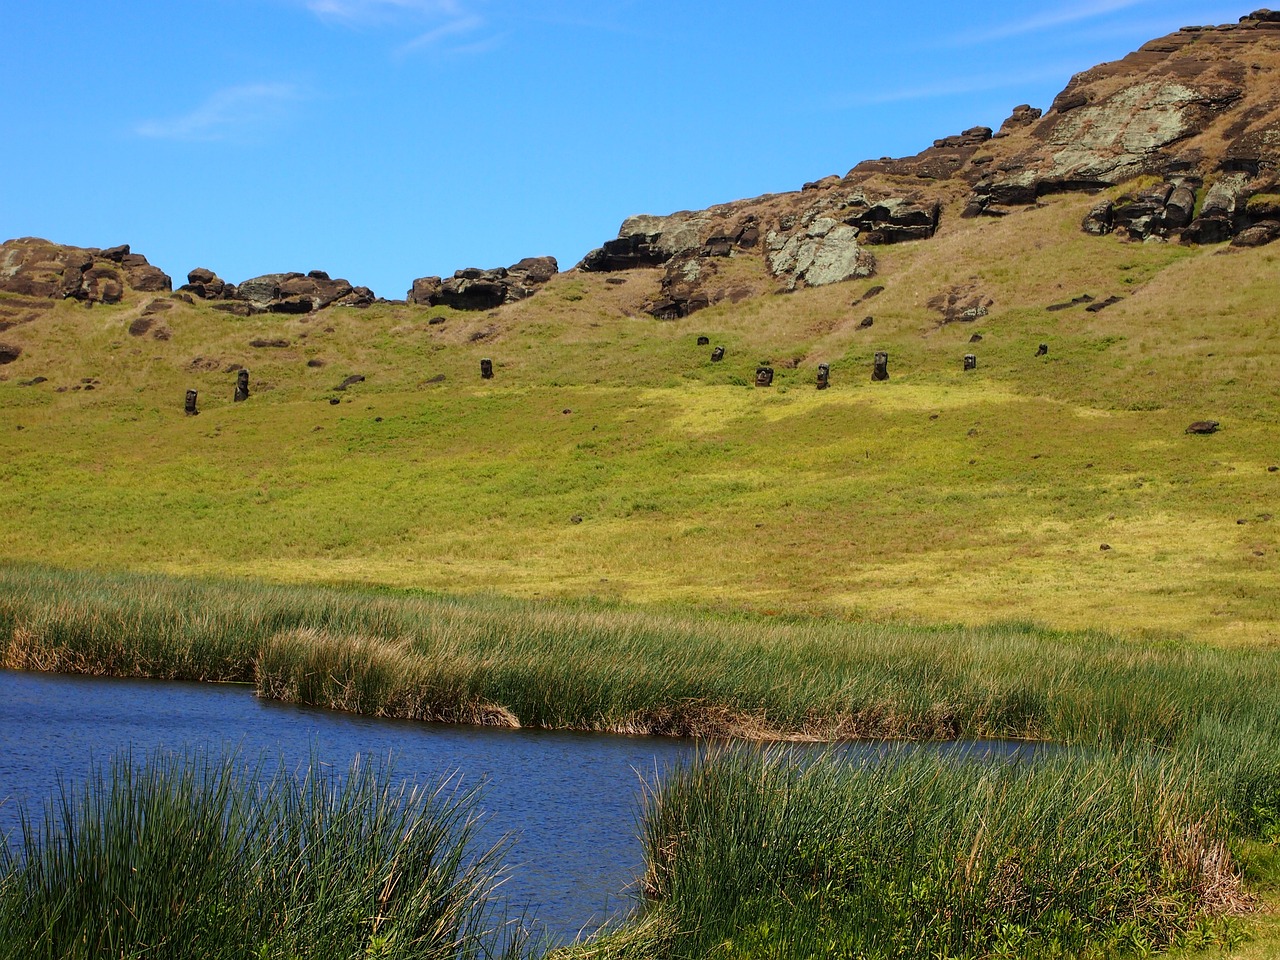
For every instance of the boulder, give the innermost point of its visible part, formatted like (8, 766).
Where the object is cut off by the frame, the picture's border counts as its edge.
(207, 285)
(1023, 115)
(626, 253)
(297, 293)
(477, 289)
(1203, 427)
(1258, 235)
(37, 268)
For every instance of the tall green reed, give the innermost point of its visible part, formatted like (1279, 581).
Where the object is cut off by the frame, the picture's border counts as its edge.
(206, 857)
(755, 854)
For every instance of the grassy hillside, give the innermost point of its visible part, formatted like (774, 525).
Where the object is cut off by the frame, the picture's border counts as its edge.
(940, 495)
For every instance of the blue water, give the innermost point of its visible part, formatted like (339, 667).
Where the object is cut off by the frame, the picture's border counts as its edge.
(571, 800)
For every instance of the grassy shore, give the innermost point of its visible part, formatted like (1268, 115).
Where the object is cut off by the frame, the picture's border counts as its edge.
(212, 858)
(1126, 846)
(593, 666)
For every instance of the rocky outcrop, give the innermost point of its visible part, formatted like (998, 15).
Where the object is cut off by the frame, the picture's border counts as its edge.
(942, 161)
(476, 289)
(297, 293)
(814, 237)
(42, 270)
(1227, 210)
(825, 252)
(1164, 112)
(207, 285)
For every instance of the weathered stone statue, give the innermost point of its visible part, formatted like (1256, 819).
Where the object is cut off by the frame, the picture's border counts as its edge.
(704, 341)
(824, 375)
(242, 386)
(486, 368)
(190, 408)
(764, 376)
(970, 362)
(717, 354)
(1043, 351)
(880, 369)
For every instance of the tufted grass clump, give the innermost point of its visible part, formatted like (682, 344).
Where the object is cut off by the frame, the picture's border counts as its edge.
(754, 854)
(203, 857)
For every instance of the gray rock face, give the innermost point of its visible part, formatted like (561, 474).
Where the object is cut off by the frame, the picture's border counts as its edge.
(827, 252)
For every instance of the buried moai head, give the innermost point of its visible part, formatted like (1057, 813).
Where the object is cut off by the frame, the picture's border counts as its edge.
(880, 367)
(1043, 350)
(704, 341)
(190, 408)
(824, 376)
(764, 376)
(717, 354)
(486, 368)
(970, 362)
(242, 386)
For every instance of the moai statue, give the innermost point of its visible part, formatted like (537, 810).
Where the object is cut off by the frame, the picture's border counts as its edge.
(486, 368)
(190, 408)
(880, 370)
(764, 376)
(970, 362)
(704, 341)
(717, 354)
(824, 375)
(242, 386)
(1043, 351)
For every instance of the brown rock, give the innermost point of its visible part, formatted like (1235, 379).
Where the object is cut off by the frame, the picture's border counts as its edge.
(1258, 235)
(477, 289)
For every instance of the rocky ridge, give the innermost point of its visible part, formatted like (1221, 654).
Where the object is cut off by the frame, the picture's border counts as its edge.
(1191, 120)
(1188, 127)
(35, 271)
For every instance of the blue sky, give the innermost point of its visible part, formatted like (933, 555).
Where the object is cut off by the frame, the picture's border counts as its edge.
(383, 140)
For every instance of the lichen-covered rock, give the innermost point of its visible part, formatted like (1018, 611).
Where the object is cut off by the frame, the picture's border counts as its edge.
(827, 252)
(1264, 232)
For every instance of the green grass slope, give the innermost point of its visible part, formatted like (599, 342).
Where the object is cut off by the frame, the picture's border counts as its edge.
(609, 457)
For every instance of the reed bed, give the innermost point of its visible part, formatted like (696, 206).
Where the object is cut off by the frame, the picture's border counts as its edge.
(1120, 846)
(197, 857)
(605, 668)
(753, 854)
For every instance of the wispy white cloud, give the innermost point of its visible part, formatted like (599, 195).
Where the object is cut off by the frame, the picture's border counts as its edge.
(449, 25)
(457, 27)
(1049, 20)
(233, 113)
(954, 86)
(372, 11)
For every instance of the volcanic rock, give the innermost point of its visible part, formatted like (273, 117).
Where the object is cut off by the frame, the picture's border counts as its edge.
(37, 268)
(296, 293)
(476, 289)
